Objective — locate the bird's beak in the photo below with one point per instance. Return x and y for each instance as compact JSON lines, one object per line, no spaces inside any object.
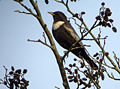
{"x":51,"y":13}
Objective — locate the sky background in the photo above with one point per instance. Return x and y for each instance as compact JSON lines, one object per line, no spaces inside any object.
{"x":43,"y":72}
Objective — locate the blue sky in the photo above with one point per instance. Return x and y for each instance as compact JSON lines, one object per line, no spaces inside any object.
{"x":43,"y":72}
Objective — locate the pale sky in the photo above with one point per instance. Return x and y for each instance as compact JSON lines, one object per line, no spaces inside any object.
{"x":43,"y":72}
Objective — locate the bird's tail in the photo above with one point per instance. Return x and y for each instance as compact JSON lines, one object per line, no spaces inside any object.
{"x":91,"y":63}
{"x":82,"y":53}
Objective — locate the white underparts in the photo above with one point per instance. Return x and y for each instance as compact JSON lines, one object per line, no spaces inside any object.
{"x":57,"y":24}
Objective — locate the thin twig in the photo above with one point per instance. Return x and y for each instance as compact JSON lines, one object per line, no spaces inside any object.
{"x":108,"y":65}
{"x":75,"y":22}
{"x":116,"y":59}
{"x":6,"y":70}
{"x":28,"y":9}
{"x":23,"y":12}
{"x":40,"y":42}
{"x":57,"y":87}
{"x":111,"y":76}
{"x":44,"y":38}
{"x":96,"y":38}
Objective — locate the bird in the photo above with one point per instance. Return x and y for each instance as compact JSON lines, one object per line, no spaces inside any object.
{"x":66,"y":36}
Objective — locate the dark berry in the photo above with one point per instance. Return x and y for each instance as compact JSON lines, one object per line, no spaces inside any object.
{"x":70,"y":65}
{"x":82,"y":13}
{"x":102,"y":3}
{"x":114,"y":29}
{"x":74,"y":64}
{"x":111,"y":20}
{"x":70,"y":77}
{"x":75,"y":15}
{"x":24,"y":71}
{"x":108,"y":24}
{"x":75,"y":59}
{"x":98,"y":18}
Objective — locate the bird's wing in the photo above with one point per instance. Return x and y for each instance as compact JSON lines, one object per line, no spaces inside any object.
{"x":65,"y":35}
{"x":70,"y":30}
{"x":80,"y":51}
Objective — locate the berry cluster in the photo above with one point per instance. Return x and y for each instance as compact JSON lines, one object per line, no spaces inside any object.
{"x":104,"y":17}
{"x":15,"y":79}
{"x":81,"y":74}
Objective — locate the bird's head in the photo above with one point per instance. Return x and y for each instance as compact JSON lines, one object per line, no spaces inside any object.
{"x":58,"y":16}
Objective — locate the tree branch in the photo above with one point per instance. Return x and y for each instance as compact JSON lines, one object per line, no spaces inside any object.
{"x":112,"y":77}
{"x":40,"y":42}
{"x":53,"y":47}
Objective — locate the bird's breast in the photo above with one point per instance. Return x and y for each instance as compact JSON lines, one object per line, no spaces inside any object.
{"x":57,"y":25}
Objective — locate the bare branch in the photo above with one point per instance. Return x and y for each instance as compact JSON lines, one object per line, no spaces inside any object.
{"x":57,"y":87}
{"x":112,"y":76}
{"x":116,"y":59}
{"x":40,"y":42}
{"x":23,"y":12}
{"x":96,"y":38}
{"x":26,"y":8}
{"x":44,"y":38}
{"x":54,"y":49}
{"x":75,"y":22}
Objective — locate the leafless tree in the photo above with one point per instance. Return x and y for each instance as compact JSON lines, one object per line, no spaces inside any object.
{"x":73,"y":72}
